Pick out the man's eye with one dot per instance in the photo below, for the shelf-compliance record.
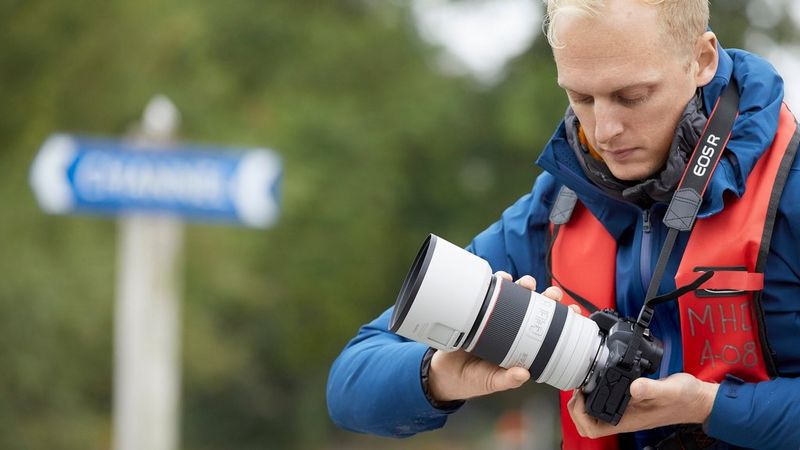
(632, 101)
(583, 100)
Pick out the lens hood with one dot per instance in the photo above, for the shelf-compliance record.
(441, 295)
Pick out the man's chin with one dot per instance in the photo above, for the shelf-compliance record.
(630, 172)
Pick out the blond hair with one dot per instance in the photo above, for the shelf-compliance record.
(683, 21)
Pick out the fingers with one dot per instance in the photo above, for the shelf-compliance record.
(453, 377)
(553, 293)
(576, 407)
(642, 389)
(667, 388)
(571, 402)
(586, 425)
(528, 282)
(647, 389)
(504, 275)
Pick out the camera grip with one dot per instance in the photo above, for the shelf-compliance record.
(610, 397)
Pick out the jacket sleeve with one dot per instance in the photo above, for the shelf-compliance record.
(375, 387)
(762, 415)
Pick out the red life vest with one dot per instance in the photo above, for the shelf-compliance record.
(722, 322)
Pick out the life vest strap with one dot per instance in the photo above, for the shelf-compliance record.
(733, 279)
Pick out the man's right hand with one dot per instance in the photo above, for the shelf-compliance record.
(459, 375)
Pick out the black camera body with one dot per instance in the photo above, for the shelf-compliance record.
(608, 391)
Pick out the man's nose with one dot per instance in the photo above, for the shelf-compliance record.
(608, 124)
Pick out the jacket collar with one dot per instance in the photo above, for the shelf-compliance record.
(761, 96)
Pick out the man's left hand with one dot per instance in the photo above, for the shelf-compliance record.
(679, 398)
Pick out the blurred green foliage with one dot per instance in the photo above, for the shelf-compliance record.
(380, 148)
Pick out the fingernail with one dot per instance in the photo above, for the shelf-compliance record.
(518, 377)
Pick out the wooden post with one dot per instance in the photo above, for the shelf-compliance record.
(147, 316)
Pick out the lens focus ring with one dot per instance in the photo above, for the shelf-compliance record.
(503, 324)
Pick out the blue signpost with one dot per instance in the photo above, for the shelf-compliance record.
(153, 185)
(73, 174)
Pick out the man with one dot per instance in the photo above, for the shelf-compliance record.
(641, 77)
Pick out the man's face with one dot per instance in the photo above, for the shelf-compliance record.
(627, 84)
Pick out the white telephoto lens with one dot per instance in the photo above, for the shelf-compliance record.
(451, 300)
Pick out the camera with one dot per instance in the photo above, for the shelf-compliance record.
(450, 300)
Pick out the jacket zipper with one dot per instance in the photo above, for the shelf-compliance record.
(646, 273)
(646, 254)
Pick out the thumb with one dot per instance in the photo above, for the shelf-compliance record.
(645, 389)
(510, 378)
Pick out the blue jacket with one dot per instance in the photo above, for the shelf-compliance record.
(375, 387)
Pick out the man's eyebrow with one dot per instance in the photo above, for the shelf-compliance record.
(619, 90)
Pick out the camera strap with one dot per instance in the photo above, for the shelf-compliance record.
(682, 211)
(685, 204)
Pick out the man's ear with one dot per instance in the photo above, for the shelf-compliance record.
(706, 58)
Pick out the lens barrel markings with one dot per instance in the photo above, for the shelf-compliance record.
(550, 341)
